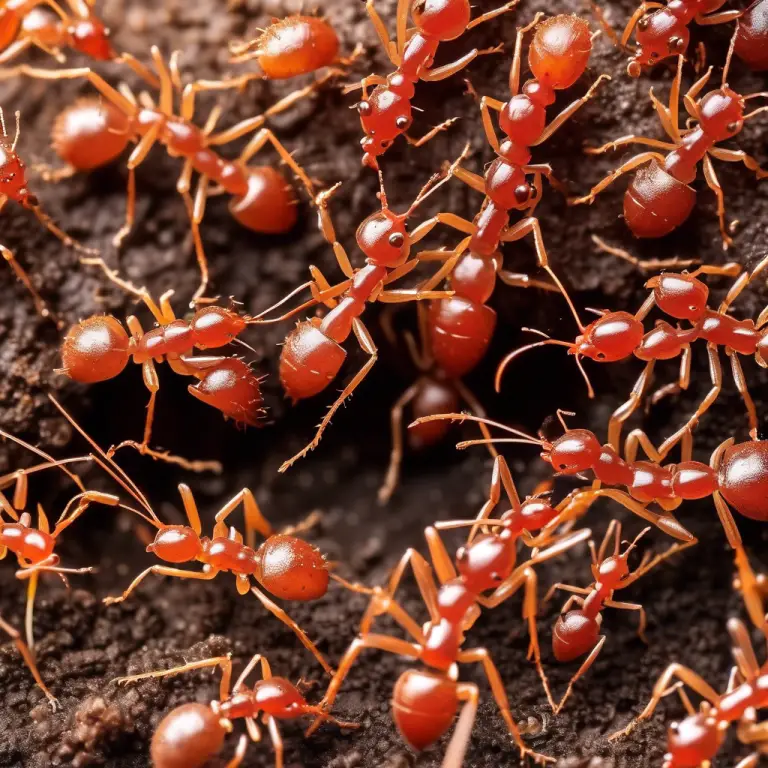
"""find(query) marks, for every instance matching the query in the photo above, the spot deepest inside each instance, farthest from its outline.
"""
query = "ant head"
(176, 544)
(574, 452)
(559, 52)
(383, 238)
(679, 295)
(216, 327)
(441, 19)
(91, 37)
(700, 735)
(486, 562)
(506, 185)
(95, 349)
(658, 35)
(533, 515)
(611, 570)
(721, 113)
(612, 337)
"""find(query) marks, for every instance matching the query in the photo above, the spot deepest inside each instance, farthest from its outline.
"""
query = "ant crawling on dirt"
(13, 186)
(193, 733)
(752, 36)
(295, 45)
(697, 738)
(92, 133)
(386, 113)
(659, 198)
(284, 565)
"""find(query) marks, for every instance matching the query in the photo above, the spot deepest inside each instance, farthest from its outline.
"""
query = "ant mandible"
(697, 738)
(752, 36)
(659, 198)
(387, 112)
(193, 733)
(90, 134)
(312, 354)
(284, 565)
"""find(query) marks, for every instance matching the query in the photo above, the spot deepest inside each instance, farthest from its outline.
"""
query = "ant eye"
(403, 122)
(364, 108)
(397, 240)
(676, 44)
(643, 23)
(600, 355)
(732, 127)
(522, 193)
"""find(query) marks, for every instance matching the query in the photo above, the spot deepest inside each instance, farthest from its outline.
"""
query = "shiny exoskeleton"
(752, 36)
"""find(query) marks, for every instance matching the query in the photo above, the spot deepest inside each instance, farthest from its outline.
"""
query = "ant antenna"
(383, 193)
(729, 56)
(436, 181)
(560, 417)
(49, 224)
(2, 123)
(521, 437)
(18, 131)
(634, 543)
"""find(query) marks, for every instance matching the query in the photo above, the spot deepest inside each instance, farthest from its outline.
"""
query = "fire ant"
(90, 134)
(284, 565)
(312, 354)
(387, 112)
(577, 631)
(193, 733)
(735, 475)
(295, 45)
(13, 186)
(659, 198)
(664, 32)
(425, 701)
(698, 737)
(752, 36)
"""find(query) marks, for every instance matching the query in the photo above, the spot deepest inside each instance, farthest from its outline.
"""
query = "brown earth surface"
(83, 645)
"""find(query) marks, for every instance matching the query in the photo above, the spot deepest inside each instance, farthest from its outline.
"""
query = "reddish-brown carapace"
(696, 740)
(659, 197)
(261, 198)
(190, 735)
(664, 31)
(752, 36)
(387, 112)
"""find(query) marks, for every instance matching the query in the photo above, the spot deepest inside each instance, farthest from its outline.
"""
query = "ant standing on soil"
(191, 734)
(659, 198)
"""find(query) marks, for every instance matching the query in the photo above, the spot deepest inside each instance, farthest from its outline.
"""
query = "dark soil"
(83, 645)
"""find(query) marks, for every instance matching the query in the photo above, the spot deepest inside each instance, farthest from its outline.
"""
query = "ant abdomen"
(187, 737)
(460, 332)
(743, 478)
(91, 37)
(441, 19)
(309, 361)
(95, 349)
(269, 205)
(433, 396)
(176, 544)
(423, 706)
(90, 133)
(291, 568)
(752, 36)
(694, 740)
(10, 23)
(656, 203)
(232, 388)
(574, 634)
(560, 51)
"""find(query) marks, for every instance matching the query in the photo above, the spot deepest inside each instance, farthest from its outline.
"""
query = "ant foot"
(113, 600)
(53, 703)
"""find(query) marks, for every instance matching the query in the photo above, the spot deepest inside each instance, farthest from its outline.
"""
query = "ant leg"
(254, 519)
(462, 732)
(30, 609)
(23, 277)
(714, 184)
(630, 138)
(570, 111)
(392, 477)
(161, 570)
(481, 656)
(717, 18)
(490, 131)
(738, 156)
(750, 587)
(423, 574)
(742, 650)
(277, 740)
(144, 72)
(393, 51)
(741, 282)
(582, 670)
(392, 645)
(242, 747)
(489, 15)
(514, 70)
(279, 613)
(85, 500)
(636, 16)
(366, 342)
(441, 560)
(613, 530)
(325, 223)
(727, 521)
(29, 660)
(430, 134)
(446, 70)
(566, 588)
(223, 662)
(474, 180)
(741, 386)
(645, 265)
(383, 603)
(682, 383)
(662, 688)
(624, 411)
(630, 165)
(474, 406)
(196, 212)
(643, 620)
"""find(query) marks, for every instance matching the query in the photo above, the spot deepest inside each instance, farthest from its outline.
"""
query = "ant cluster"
(455, 325)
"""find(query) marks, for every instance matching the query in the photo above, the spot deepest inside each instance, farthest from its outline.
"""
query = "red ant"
(615, 336)
(13, 186)
(295, 45)
(90, 134)
(425, 701)
(312, 354)
(697, 739)
(193, 733)
(99, 348)
(752, 36)
(664, 32)
(659, 198)
(387, 112)
(284, 565)
(735, 475)
(577, 631)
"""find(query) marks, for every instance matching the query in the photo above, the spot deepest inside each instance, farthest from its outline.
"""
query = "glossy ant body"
(752, 36)
(697, 738)
(90, 134)
(284, 565)
(664, 32)
(659, 198)
(193, 733)
(386, 113)
(425, 701)
(312, 354)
